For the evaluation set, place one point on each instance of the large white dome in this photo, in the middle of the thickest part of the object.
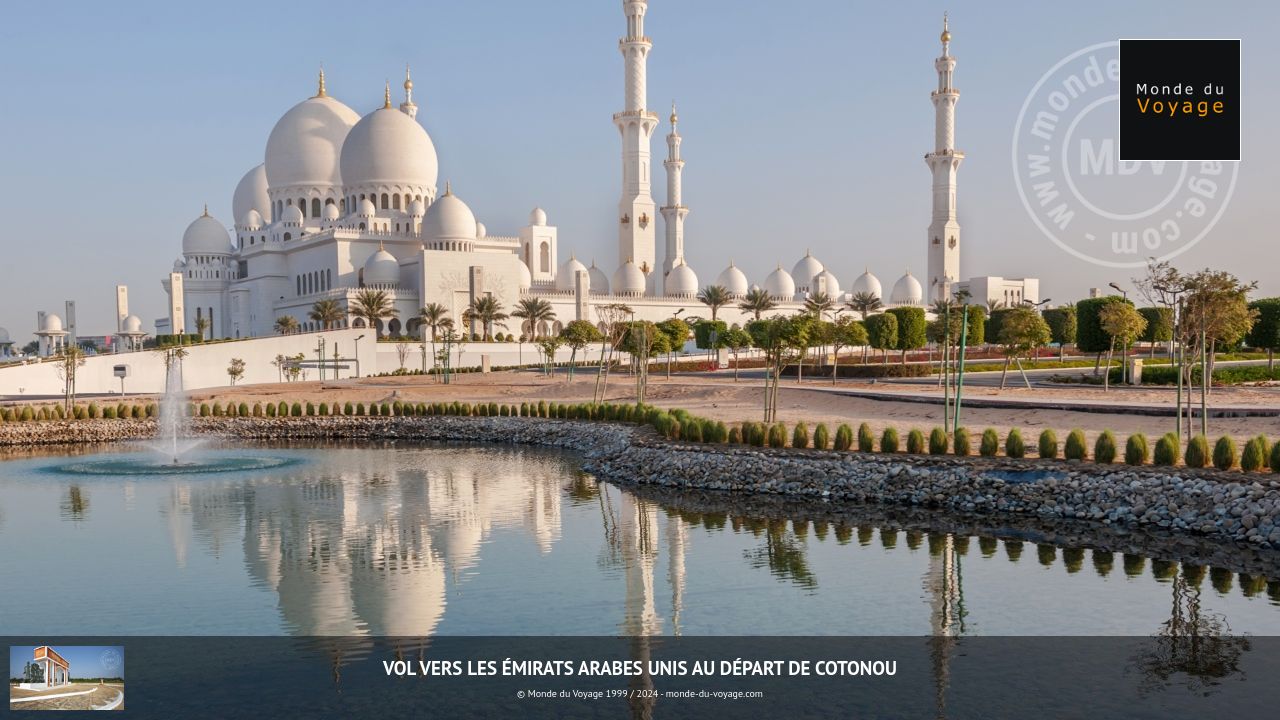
(206, 236)
(449, 218)
(381, 269)
(526, 277)
(305, 145)
(682, 282)
(599, 281)
(805, 270)
(868, 283)
(389, 148)
(733, 280)
(52, 324)
(907, 291)
(779, 285)
(628, 280)
(251, 194)
(568, 274)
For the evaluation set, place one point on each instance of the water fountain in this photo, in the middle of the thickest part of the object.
(172, 431)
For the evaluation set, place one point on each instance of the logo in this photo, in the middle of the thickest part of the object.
(1072, 182)
(111, 659)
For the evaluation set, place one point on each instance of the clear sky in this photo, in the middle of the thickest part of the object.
(86, 661)
(804, 125)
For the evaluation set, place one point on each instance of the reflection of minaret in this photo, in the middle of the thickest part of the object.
(946, 611)
(177, 517)
(944, 162)
(636, 528)
(677, 535)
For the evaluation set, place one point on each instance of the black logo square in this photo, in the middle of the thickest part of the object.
(1180, 100)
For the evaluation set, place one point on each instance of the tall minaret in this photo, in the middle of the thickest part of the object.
(944, 161)
(636, 221)
(407, 107)
(674, 212)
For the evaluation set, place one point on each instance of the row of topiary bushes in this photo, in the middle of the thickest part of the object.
(92, 411)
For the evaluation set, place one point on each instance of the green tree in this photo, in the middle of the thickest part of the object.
(1265, 333)
(757, 302)
(736, 340)
(780, 339)
(577, 335)
(912, 329)
(68, 363)
(864, 303)
(374, 306)
(1090, 337)
(882, 332)
(1062, 326)
(203, 326)
(1159, 326)
(677, 332)
(488, 312)
(1122, 323)
(326, 313)
(235, 370)
(845, 332)
(1022, 332)
(714, 297)
(818, 305)
(286, 325)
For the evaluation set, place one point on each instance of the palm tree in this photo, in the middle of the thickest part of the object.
(714, 297)
(432, 317)
(994, 304)
(488, 312)
(818, 305)
(202, 327)
(373, 306)
(533, 312)
(286, 324)
(757, 302)
(326, 312)
(864, 303)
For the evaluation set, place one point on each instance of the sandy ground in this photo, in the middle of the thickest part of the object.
(98, 696)
(812, 401)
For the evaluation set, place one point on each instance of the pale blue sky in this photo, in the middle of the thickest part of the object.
(804, 126)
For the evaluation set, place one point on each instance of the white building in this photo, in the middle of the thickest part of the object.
(344, 202)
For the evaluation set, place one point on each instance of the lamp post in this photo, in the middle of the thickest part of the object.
(1176, 360)
(358, 339)
(1124, 351)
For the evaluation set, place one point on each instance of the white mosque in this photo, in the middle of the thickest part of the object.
(343, 202)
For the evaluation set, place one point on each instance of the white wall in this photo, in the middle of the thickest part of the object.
(500, 355)
(204, 367)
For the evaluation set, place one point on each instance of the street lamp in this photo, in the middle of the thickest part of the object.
(357, 358)
(1123, 293)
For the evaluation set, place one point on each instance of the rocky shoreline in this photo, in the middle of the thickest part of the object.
(1230, 508)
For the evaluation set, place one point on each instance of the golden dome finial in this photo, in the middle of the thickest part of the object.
(448, 187)
(946, 32)
(320, 91)
(206, 210)
(386, 96)
(674, 118)
(408, 81)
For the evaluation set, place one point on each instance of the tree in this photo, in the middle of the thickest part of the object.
(326, 313)
(864, 302)
(286, 324)
(677, 332)
(977, 332)
(532, 312)
(1265, 333)
(548, 346)
(994, 304)
(577, 335)
(1022, 332)
(1090, 337)
(757, 302)
(882, 332)
(845, 332)
(714, 297)
(818, 305)
(611, 317)
(1159, 326)
(995, 322)
(736, 340)
(912, 329)
(235, 370)
(779, 338)
(1216, 314)
(432, 316)
(402, 352)
(487, 311)
(1123, 323)
(202, 326)
(374, 306)
(69, 362)
(1062, 326)
(706, 333)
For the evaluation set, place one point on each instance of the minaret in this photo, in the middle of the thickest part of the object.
(944, 162)
(674, 212)
(407, 107)
(636, 221)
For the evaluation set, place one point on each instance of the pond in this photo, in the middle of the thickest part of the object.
(407, 539)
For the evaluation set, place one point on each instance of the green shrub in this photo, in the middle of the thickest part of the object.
(311, 409)
(889, 440)
(1254, 457)
(139, 412)
(493, 409)
(153, 410)
(542, 409)
(1197, 452)
(915, 442)
(1076, 448)
(204, 410)
(271, 409)
(1047, 447)
(844, 437)
(386, 409)
(123, 411)
(989, 445)
(757, 434)
(108, 413)
(800, 436)
(244, 409)
(961, 444)
(296, 409)
(360, 408)
(322, 409)
(937, 441)
(231, 410)
(1104, 449)
(721, 433)
(1136, 450)
(1224, 453)
(1166, 452)
(1274, 459)
(693, 432)
(257, 409)
(218, 410)
(348, 408)
(821, 437)
(1265, 444)
(735, 435)
(94, 411)
(866, 439)
(282, 409)
(1014, 446)
(778, 436)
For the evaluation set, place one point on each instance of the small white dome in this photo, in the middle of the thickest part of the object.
(481, 230)
(868, 283)
(381, 269)
(449, 218)
(907, 291)
(367, 208)
(779, 285)
(331, 212)
(52, 324)
(833, 284)
(179, 264)
(251, 194)
(805, 270)
(526, 277)
(133, 324)
(682, 282)
(292, 215)
(417, 208)
(628, 280)
(599, 281)
(387, 147)
(251, 220)
(305, 144)
(538, 217)
(568, 274)
(206, 236)
(733, 280)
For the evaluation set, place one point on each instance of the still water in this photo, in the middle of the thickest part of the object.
(412, 540)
